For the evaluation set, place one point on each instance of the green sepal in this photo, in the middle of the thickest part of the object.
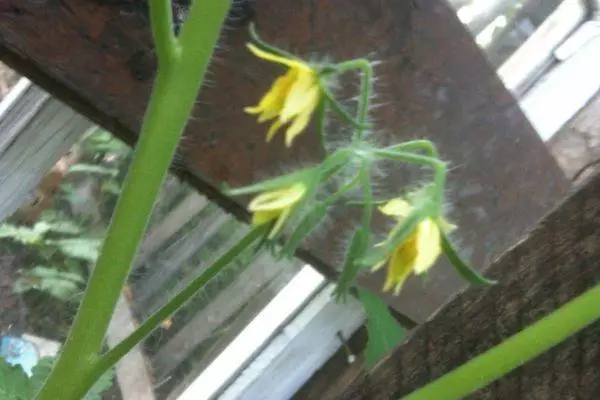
(270, 184)
(351, 268)
(398, 235)
(268, 47)
(306, 226)
(463, 269)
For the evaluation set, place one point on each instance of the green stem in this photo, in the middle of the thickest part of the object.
(367, 193)
(166, 44)
(338, 108)
(425, 145)
(438, 166)
(173, 97)
(366, 89)
(516, 350)
(266, 46)
(320, 117)
(116, 353)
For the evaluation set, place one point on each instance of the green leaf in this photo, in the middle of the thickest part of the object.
(24, 234)
(65, 227)
(383, 330)
(40, 372)
(44, 367)
(14, 382)
(352, 267)
(81, 248)
(463, 269)
(60, 284)
(93, 169)
(111, 186)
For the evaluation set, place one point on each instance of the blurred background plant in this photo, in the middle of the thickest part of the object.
(54, 238)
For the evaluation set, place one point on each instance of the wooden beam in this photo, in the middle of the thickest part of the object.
(553, 264)
(438, 85)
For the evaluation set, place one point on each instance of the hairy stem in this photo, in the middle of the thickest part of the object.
(438, 166)
(424, 145)
(366, 89)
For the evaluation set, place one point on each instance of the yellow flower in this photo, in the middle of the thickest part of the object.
(276, 204)
(418, 252)
(292, 98)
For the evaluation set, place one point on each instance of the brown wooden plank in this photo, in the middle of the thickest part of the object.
(551, 265)
(435, 84)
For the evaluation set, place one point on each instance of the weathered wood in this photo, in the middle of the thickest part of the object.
(165, 269)
(35, 131)
(309, 339)
(553, 264)
(231, 299)
(577, 145)
(330, 381)
(134, 378)
(170, 225)
(180, 285)
(250, 310)
(437, 85)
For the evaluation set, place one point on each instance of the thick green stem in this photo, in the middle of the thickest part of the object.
(173, 97)
(116, 353)
(166, 44)
(516, 350)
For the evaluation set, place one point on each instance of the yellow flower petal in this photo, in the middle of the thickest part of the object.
(275, 58)
(302, 120)
(396, 208)
(277, 199)
(272, 103)
(427, 245)
(301, 95)
(399, 267)
(262, 217)
(280, 221)
(273, 130)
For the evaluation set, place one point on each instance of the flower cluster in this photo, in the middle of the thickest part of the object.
(289, 203)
